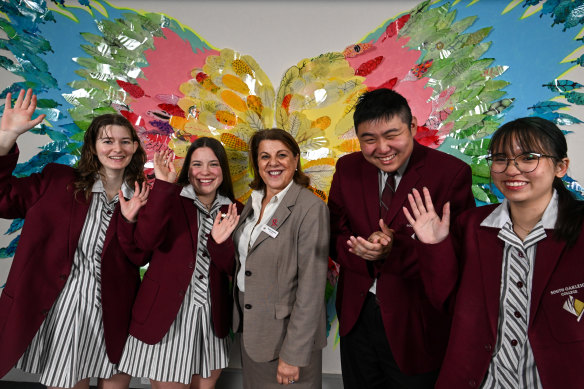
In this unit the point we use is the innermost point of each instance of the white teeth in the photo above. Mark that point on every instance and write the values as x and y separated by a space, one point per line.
515 184
206 181
388 158
275 173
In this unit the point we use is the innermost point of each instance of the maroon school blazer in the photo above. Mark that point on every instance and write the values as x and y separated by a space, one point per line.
167 228
416 331
466 268
54 217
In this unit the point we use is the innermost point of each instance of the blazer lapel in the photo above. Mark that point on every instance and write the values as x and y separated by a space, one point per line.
548 254
490 254
190 212
408 181
281 214
80 207
370 192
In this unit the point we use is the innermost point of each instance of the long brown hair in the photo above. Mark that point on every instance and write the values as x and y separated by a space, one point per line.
288 140
89 165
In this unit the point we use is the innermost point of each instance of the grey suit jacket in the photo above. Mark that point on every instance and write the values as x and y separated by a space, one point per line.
284 312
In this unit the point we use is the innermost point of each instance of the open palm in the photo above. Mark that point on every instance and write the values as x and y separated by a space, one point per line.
427 225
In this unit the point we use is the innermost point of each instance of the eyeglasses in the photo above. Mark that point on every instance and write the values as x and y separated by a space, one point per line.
525 163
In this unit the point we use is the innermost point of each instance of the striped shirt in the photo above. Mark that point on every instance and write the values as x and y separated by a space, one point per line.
500 375
70 345
190 346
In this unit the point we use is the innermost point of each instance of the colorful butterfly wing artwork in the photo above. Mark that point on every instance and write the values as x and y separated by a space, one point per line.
455 62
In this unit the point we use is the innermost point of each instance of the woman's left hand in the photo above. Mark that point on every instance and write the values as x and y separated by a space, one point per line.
287 374
130 208
224 226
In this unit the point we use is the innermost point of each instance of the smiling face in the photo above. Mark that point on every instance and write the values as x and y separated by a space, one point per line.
205 174
533 189
114 148
387 144
276 165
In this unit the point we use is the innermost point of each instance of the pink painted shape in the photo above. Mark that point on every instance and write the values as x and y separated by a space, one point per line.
170 64
398 60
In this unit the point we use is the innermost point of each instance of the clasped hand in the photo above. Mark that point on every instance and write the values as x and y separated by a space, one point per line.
374 248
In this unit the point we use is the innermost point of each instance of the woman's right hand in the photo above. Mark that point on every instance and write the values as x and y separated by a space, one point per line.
17 119
164 166
427 225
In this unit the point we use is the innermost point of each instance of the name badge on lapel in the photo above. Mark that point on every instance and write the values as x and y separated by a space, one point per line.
270 231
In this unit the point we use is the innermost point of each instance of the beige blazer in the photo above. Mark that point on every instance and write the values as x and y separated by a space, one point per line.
284 312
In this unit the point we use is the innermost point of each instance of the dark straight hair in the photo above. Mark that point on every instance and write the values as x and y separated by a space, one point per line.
226 187
381 104
534 134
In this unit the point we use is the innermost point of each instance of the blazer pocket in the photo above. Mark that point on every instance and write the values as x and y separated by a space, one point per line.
283 311
564 326
145 300
5 307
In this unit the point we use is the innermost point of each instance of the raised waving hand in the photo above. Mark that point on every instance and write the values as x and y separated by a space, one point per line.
164 167
17 119
428 226
225 224
130 208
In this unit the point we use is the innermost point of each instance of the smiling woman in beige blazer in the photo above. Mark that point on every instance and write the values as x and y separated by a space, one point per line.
282 250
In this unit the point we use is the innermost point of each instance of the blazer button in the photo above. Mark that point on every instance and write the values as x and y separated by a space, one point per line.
517 314
514 342
488 347
472 383
247 273
247 306
45 312
191 265
519 284
205 254
201 277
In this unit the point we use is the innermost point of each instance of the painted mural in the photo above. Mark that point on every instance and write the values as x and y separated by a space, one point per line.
466 67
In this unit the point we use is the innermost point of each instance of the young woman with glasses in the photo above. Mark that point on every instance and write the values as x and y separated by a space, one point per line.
512 274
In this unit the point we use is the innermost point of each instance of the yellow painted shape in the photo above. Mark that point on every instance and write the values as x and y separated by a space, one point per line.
233 142
235 83
233 100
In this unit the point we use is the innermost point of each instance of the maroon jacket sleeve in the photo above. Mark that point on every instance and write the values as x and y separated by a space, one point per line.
340 226
403 260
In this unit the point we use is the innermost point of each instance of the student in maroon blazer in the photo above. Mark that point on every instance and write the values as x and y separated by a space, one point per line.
175 339
475 269
390 333
55 204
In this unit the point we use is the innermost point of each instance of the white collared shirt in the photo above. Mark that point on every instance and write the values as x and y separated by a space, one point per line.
526 376
252 227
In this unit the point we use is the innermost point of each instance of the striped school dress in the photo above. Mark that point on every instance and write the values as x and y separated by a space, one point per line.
190 346
70 345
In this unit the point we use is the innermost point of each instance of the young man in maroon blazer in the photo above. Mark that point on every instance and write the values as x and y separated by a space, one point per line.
391 336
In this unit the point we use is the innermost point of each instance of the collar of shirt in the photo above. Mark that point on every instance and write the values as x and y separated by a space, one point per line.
188 192
258 195
126 190
500 216
398 174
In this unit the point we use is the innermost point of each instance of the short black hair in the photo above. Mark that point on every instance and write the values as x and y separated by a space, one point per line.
381 104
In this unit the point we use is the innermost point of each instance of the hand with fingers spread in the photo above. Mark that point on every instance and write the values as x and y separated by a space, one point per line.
130 208
225 224
428 226
164 166
17 119
286 373
376 247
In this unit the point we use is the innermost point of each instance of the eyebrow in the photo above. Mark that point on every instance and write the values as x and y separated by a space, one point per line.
386 132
